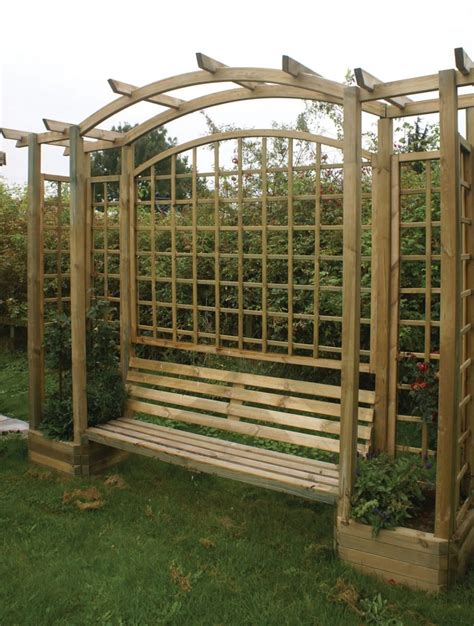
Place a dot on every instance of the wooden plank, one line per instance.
(35, 284)
(424, 107)
(238, 449)
(219, 452)
(290, 66)
(351, 297)
(450, 307)
(243, 428)
(367, 81)
(126, 200)
(373, 547)
(392, 406)
(78, 283)
(316, 407)
(463, 61)
(394, 566)
(469, 304)
(96, 133)
(211, 466)
(126, 89)
(254, 380)
(272, 357)
(400, 536)
(211, 65)
(381, 265)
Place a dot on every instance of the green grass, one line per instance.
(177, 548)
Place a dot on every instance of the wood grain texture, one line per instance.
(450, 307)
(351, 297)
(35, 283)
(78, 283)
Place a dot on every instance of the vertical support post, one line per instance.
(35, 273)
(449, 374)
(351, 298)
(381, 242)
(78, 282)
(394, 328)
(89, 232)
(470, 302)
(126, 198)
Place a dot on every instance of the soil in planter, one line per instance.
(424, 518)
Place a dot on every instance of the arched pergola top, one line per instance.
(324, 88)
(242, 134)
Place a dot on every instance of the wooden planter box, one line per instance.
(406, 556)
(70, 458)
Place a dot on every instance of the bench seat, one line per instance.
(307, 478)
(301, 415)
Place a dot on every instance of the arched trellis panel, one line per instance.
(241, 253)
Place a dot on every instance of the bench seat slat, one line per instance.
(311, 489)
(242, 411)
(219, 452)
(307, 405)
(253, 380)
(239, 449)
(244, 428)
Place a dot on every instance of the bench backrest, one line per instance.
(285, 410)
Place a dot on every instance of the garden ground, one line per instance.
(154, 544)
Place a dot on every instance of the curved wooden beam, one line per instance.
(325, 88)
(221, 97)
(237, 134)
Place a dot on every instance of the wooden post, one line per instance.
(35, 283)
(78, 282)
(381, 238)
(394, 327)
(351, 298)
(126, 198)
(449, 364)
(470, 303)
(89, 232)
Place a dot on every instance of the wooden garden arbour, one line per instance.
(388, 101)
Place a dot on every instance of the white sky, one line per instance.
(56, 56)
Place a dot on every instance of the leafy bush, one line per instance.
(106, 391)
(387, 490)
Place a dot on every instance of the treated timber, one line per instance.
(259, 471)
(96, 133)
(126, 89)
(470, 304)
(464, 62)
(368, 81)
(450, 315)
(211, 65)
(78, 282)
(381, 259)
(127, 193)
(295, 68)
(70, 458)
(351, 297)
(35, 283)
(308, 82)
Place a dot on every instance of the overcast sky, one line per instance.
(56, 56)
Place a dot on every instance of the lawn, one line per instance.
(165, 546)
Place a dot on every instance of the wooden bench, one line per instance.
(295, 412)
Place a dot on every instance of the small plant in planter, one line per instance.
(106, 392)
(388, 490)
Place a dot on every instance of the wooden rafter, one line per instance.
(464, 62)
(211, 65)
(367, 81)
(96, 133)
(15, 135)
(126, 89)
(290, 66)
